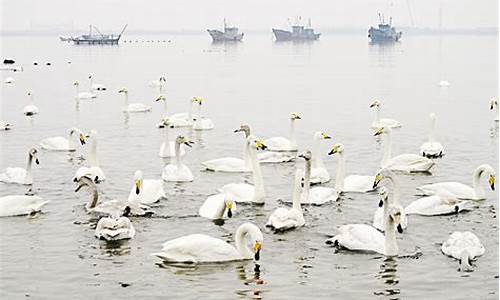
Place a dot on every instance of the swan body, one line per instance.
(31, 109)
(217, 206)
(5, 126)
(464, 246)
(18, 205)
(201, 123)
(437, 205)
(460, 190)
(317, 195)
(83, 95)
(19, 175)
(146, 191)
(431, 148)
(409, 163)
(60, 143)
(382, 122)
(244, 192)
(200, 248)
(96, 86)
(114, 229)
(351, 183)
(281, 143)
(167, 147)
(93, 171)
(176, 171)
(386, 201)
(133, 107)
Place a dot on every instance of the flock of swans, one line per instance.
(308, 187)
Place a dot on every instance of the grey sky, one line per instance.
(249, 15)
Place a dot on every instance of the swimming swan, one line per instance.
(59, 143)
(146, 191)
(464, 246)
(244, 192)
(82, 95)
(431, 148)
(386, 201)
(404, 162)
(133, 107)
(20, 175)
(93, 171)
(351, 183)
(436, 205)
(200, 248)
(378, 122)
(31, 109)
(460, 190)
(176, 171)
(178, 119)
(267, 157)
(217, 206)
(19, 205)
(281, 143)
(167, 147)
(202, 123)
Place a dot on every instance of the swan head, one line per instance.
(295, 116)
(256, 143)
(320, 135)
(381, 130)
(491, 181)
(29, 93)
(307, 155)
(375, 103)
(124, 90)
(161, 98)
(493, 103)
(197, 100)
(230, 206)
(243, 128)
(138, 181)
(432, 116)
(337, 148)
(395, 217)
(92, 134)
(81, 136)
(84, 181)
(33, 153)
(183, 140)
(166, 123)
(76, 83)
(384, 196)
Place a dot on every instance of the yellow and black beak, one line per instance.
(160, 98)
(379, 131)
(37, 161)
(82, 139)
(259, 145)
(256, 250)
(295, 116)
(334, 150)
(188, 143)
(229, 206)
(491, 181)
(374, 103)
(326, 136)
(138, 184)
(378, 178)
(121, 91)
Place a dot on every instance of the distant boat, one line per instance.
(298, 33)
(95, 38)
(385, 31)
(230, 34)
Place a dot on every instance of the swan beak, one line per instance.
(379, 131)
(82, 139)
(37, 161)
(189, 144)
(377, 181)
(295, 116)
(491, 181)
(400, 228)
(334, 150)
(326, 136)
(121, 91)
(491, 106)
(259, 145)
(374, 103)
(229, 206)
(160, 98)
(138, 185)
(256, 249)
(381, 203)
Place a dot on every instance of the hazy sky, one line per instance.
(249, 14)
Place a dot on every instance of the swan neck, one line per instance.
(29, 177)
(307, 184)
(241, 245)
(377, 115)
(126, 99)
(198, 119)
(339, 181)
(293, 141)
(432, 125)
(95, 196)
(257, 176)
(246, 156)
(391, 246)
(476, 182)
(177, 153)
(71, 142)
(316, 155)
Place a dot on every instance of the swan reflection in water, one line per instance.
(115, 248)
(388, 275)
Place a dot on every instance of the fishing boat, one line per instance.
(385, 31)
(298, 33)
(230, 34)
(96, 38)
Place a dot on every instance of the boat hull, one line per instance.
(219, 36)
(377, 35)
(284, 35)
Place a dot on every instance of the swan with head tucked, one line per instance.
(244, 192)
(409, 163)
(460, 190)
(133, 107)
(178, 119)
(362, 237)
(201, 123)
(176, 171)
(20, 205)
(319, 173)
(317, 195)
(114, 228)
(167, 147)
(82, 95)
(31, 109)
(382, 122)
(217, 206)
(19, 175)
(200, 248)
(94, 171)
(351, 183)
(146, 191)
(96, 86)
(386, 201)
(5, 126)
(110, 207)
(59, 143)
(494, 107)
(280, 143)
(431, 148)
(464, 246)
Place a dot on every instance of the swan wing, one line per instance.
(226, 164)
(239, 192)
(321, 195)
(385, 122)
(284, 219)
(269, 157)
(319, 175)
(361, 237)
(460, 241)
(57, 143)
(177, 173)
(138, 107)
(213, 207)
(410, 163)
(14, 175)
(457, 189)
(17, 205)
(114, 229)
(278, 143)
(358, 183)
(436, 205)
(203, 124)
(432, 149)
(151, 192)
(197, 248)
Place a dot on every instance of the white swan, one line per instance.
(267, 157)
(351, 183)
(19, 205)
(167, 147)
(386, 201)
(59, 143)
(9, 80)
(317, 195)
(431, 148)
(319, 173)
(5, 126)
(200, 248)
(244, 192)
(444, 83)
(178, 119)
(289, 218)
(96, 86)
(20, 175)
(114, 229)
(31, 109)
(436, 205)
(94, 171)
(146, 191)
(460, 190)
(404, 162)
(176, 171)
(281, 143)
(133, 107)
(82, 95)
(464, 246)
(202, 123)
(382, 122)
(111, 207)
(494, 107)
(159, 83)
(216, 206)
